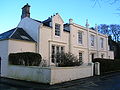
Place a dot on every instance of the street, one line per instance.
(107, 82)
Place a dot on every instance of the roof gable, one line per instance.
(59, 17)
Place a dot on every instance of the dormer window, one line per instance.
(57, 29)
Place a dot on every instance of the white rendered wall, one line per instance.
(13, 46)
(4, 57)
(16, 46)
(49, 75)
(110, 54)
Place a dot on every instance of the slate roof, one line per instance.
(47, 23)
(66, 27)
(16, 33)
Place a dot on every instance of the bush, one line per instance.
(108, 65)
(25, 58)
(67, 59)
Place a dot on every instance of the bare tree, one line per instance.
(111, 2)
(104, 29)
(111, 30)
(115, 30)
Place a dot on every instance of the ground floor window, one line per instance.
(56, 49)
(102, 55)
(80, 56)
(92, 56)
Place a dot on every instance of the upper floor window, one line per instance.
(92, 40)
(80, 37)
(101, 42)
(57, 29)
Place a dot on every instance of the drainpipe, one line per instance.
(38, 38)
(70, 35)
(96, 28)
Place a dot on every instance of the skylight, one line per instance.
(24, 37)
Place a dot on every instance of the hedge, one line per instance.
(67, 60)
(25, 58)
(108, 65)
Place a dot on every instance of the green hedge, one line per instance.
(25, 58)
(108, 65)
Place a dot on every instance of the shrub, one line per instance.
(108, 65)
(25, 58)
(67, 59)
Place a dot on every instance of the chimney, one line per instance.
(25, 11)
(87, 24)
(70, 21)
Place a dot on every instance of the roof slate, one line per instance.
(16, 33)
(7, 34)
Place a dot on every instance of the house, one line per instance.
(51, 36)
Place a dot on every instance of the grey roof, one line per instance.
(47, 23)
(66, 27)
(16, 33)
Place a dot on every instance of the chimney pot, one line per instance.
(25, 11)
(70, 21)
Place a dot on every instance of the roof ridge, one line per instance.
(13, 32)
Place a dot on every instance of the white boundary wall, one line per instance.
(50, 75)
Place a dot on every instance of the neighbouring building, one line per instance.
(51, 36)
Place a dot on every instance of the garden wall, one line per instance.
(49, 75)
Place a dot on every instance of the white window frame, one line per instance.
(57, 29)
(92, 40)
(81, 56)
(80, 37)
(102, 43)
(61, 49)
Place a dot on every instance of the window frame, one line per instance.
(102, 43)
(80, 37)
(81, 58)
(57, 29)
(92, 40)
(57, 49)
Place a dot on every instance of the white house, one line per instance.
(53, 35)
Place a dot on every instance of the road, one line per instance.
(108, 82)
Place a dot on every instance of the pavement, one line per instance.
(107, 82)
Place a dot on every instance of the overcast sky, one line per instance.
(78, 10)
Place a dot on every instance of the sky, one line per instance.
(78, 10)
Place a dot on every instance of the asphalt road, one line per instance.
(108, 82)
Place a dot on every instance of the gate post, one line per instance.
(97, 68)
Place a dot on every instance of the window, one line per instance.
(102, 55)
(101, 42)
(80, 56)
(92, 40)
(53, 54)
(92, 56)
(62, 49)
(57, 29)
(55, 50)
(80, 37)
